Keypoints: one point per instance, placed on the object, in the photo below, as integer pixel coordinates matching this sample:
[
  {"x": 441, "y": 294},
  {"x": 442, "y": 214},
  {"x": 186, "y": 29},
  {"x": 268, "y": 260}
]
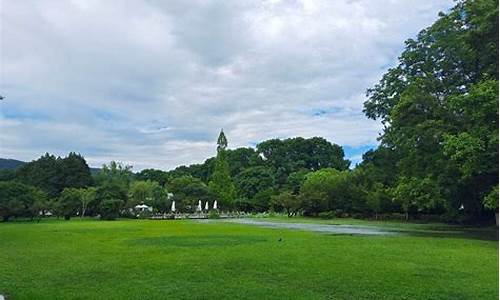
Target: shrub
[
  {"x": 213, "y": 214},
  {"x": 143, "y": 215},
  {"x": 327, "y": 215},
  {"x": 110, "y": 209},
  {"x": 338, "y": 213}
]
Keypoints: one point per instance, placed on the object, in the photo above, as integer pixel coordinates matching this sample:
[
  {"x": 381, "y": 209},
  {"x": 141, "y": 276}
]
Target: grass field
[{"x": 142, "y": 259}]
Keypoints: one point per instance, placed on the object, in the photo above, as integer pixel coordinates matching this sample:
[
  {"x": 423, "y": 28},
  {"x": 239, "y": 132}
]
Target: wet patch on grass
[{"x": 323, "y": 228}]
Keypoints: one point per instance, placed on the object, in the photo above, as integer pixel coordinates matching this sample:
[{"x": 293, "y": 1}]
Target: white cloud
[{"x": 151, "y": 83}]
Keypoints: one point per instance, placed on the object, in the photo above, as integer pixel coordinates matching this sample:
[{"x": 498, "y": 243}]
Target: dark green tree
[
  {"x": 439, "y": 107},
  {"x": 295, "y": 181},
  {"x": 221, "y": 141},
  {"x": 115, "y": 174},
  {"x": 254, "y": 179},
  {"x": 44, "y": 173},
  {"x": 261, "y": 201},
  {"x": 69, "y": 203},
  {"x": 53, "y": 174},
  {"x": 74, "y": 171},
  {"x": 287, "y": 202},
  {"x": 187, "y": 191},
  {"x": 287, "y": 156},
  {"x": 221, "y": 183},
  {"x": 110, "y": 208},
  {"x": 20, "y": 200},
  {"x": 334, "y": 190},
  {"x": 159, "y": 176}
]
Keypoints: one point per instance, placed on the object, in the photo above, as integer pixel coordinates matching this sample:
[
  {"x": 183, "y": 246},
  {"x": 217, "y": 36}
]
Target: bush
[
  {"x": 358, "y": 216},
  {"x": 143, "y": 215},
  {"x": 213, "y": 214},
  {"x": 338, "y": 213},
  {"x": 110, "y": 209},
  {"x": 327, "y": 215}
]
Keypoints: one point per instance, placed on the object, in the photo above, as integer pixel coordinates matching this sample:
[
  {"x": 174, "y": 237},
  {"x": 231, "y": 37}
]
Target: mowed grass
[{"x": 143, "y": 259}]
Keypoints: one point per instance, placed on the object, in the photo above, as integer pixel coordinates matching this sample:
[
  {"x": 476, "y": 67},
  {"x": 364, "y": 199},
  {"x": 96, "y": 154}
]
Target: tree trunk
[
  {"x": 84, "y": 208},
  {"x": 496, "y": 217}
]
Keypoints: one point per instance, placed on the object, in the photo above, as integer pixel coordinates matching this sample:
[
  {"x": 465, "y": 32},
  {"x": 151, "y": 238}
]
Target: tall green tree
[
  {"x": 221, "y": 141},
  {"x": 221, "y": 183},
  {"x": 439, "y": 107}
]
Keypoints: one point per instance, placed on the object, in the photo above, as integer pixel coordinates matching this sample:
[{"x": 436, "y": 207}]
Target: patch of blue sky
[
  {"x": 355, "y": 154},
  {"x": 9, "y": 111}
]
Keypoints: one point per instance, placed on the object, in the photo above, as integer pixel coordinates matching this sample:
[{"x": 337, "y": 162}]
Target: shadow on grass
[
  {"x": 488, "y": 234},
  {"x": 198, "y": 241}
]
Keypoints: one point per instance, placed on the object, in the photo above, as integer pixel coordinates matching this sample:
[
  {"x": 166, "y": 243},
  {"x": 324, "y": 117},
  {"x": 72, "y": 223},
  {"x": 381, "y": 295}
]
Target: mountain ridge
[{"x": 12, "y": 164}]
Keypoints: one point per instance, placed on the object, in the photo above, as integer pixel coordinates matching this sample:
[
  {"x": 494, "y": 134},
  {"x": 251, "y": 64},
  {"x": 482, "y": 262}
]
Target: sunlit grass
[{"x": 142, "y": 259}]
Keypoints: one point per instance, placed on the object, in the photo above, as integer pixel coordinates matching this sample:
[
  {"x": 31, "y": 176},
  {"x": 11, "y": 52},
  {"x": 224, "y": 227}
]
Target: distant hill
[{"x": 11, "y": 164}]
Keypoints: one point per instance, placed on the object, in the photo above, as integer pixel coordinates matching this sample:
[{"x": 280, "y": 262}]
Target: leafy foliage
[
  {"x": 439, "y": 106},
  {"x": 20, "y": 200},
  {"x": 53, "y": 174},
  {"x": 188, "y": 191},
  {"x": 69, "y": 203},
  {"x": 221, "y": 183},
  {"x": 288, "y": 202}
]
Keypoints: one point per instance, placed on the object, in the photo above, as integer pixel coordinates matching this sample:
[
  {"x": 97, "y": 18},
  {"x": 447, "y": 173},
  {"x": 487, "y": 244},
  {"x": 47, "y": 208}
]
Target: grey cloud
[{"x": 151, "y": 83}]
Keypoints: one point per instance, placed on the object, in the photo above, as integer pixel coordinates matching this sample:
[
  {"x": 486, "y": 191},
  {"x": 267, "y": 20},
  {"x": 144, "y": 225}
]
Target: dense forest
[{"x": 437, "y": 158}]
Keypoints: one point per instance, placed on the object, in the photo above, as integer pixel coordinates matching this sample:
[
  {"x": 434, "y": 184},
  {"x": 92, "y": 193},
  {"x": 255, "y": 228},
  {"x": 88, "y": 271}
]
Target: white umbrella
[
  {"x": 173, "y": 206},
  {"x": 206, "y": 205},
  {"x": 215, "y": 204},
  {"x": 199, "y": 206}
]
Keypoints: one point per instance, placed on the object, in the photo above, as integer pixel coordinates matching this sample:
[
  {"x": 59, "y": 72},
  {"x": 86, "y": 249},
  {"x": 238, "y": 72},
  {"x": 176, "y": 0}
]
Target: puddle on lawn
[
  {"x": 479, "y": 234},
  {"x": 324, "y": 228}
]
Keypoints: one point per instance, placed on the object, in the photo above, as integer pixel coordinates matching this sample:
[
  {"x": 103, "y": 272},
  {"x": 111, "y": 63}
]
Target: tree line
[
  {"x": 438, "y": 152},
  {"x": 243, "y": 179}
]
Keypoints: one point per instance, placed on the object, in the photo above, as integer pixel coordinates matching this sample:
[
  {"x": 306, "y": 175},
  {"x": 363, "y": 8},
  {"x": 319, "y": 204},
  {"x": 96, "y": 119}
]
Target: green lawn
[{"x": 142, "y": 259}]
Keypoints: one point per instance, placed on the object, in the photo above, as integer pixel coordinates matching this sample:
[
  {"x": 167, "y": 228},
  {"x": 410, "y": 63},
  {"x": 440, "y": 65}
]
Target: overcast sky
[{"x": 151, "y": 83}]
